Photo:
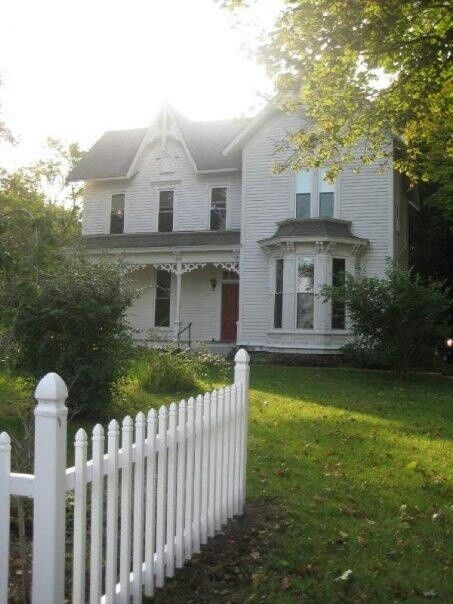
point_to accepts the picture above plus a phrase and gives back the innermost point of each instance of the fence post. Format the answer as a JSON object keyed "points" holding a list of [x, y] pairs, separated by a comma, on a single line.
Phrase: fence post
{"points": [[5, 470], [49, 491], [242, 376]]}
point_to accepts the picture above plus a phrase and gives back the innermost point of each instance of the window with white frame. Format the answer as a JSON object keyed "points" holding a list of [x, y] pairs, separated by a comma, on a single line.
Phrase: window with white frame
{"points": [[117, 214], [338, 306], [305, 292], [326, 192], [303, 194], [217, 213], [311, 185], [162, 305], [165, 220], [278, 294]]}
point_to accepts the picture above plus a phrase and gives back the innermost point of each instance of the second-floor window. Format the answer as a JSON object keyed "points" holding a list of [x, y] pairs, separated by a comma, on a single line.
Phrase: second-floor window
{"points": [[303, 194], [165, 222], [117, 214], [217, 217], [326, 196], [278, 295], [311, 185]]}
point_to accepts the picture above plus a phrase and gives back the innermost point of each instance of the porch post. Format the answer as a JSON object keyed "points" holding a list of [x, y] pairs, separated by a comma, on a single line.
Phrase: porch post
{"points": [[178, 274]]}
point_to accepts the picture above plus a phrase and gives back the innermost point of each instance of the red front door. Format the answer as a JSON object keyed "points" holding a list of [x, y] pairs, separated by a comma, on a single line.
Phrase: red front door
{"points": [[230, 306]]}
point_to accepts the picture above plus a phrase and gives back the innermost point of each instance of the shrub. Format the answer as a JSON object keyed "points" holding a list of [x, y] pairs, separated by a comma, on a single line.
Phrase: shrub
{"points": [[396, 321], [74, 324]]}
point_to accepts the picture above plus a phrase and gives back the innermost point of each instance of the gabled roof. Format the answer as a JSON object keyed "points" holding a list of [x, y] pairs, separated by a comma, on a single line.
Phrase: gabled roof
{"points": [[114, 153], [110, 157]]}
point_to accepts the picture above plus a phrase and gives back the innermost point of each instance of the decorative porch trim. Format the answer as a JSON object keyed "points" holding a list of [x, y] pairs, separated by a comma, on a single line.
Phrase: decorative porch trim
{"points": [[228, 266]]}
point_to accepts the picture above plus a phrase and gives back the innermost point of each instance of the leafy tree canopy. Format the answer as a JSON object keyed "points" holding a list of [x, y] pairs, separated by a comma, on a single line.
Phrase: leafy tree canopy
{"points": [[362, 70]]}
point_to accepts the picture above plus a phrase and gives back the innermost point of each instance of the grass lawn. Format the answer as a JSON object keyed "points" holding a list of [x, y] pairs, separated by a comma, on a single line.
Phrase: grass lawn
{"points": [[348, 471]]}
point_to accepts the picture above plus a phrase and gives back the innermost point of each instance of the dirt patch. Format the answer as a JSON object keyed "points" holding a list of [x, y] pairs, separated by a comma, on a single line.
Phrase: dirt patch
{"points": [[229, 563]]}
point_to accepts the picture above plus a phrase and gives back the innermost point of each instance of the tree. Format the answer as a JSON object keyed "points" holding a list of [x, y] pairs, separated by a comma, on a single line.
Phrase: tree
{"points": [[362, 70], [73, 323], [396, 321]]}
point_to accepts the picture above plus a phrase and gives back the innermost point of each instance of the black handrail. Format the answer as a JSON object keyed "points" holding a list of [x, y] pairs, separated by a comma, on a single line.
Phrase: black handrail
{"points": [[188, 328]]}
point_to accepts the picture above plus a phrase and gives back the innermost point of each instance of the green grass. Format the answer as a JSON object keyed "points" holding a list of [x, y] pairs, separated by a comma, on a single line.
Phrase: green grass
{"points": [[361, 466]]}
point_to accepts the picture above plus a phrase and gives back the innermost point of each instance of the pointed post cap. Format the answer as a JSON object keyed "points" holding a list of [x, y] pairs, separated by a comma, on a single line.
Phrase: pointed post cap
{"points": [[51, 389], [242, 356]]}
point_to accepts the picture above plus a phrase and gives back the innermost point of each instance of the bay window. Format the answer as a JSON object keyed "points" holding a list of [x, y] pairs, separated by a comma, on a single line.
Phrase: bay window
{"points": [[278, 295], [305, 292], [338, 307]]}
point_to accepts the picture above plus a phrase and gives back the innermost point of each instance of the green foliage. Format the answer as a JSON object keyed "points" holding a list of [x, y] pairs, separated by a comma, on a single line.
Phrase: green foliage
{"points": [[74, 323], [166, 370], [396, 321], [361, 70]]}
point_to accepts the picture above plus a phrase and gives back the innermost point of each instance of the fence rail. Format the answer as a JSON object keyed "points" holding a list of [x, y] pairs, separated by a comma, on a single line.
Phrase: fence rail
{"points": [[147, 499]]}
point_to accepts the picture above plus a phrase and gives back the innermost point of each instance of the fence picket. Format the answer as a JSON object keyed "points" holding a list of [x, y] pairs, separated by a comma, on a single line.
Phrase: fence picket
{"points": [[5, 499], [80, 508], [180, 485], [237, 448], [161, 496], [225, 434], [219, 460], [205, 469], [231, 450], [171, 490], [197, 473], [190, 452], [126, 516], [97, 495], [212, 464], [150, 509], [138, 511], [111, 545]]}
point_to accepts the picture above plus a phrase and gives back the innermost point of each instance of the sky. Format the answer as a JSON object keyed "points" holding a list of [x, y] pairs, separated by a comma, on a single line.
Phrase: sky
{"points": [[74, 69]]}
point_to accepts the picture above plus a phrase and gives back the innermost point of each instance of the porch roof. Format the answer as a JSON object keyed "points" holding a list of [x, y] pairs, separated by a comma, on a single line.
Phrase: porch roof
{"points": [[183, 239]]}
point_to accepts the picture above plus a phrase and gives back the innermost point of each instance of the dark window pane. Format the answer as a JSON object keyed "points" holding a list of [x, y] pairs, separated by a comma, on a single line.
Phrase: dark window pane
{"points": [[303, 205], [162, 309], [278, 298], [326, 205], [305, 311], [218, 209], [165, 222], [338, 307], [162, 316], [117, 214]]}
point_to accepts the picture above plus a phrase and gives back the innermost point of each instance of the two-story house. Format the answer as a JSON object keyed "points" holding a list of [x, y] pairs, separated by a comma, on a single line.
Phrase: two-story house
{"points": [[224, 243]]}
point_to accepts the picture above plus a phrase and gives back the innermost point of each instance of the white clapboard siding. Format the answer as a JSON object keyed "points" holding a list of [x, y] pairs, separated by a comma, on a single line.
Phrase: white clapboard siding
{"points": [[174, 482]]}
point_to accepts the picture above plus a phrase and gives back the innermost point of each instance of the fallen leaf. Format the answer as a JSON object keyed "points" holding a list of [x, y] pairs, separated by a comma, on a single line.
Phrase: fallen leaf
{"points": [[345, 576], [285, 583]]}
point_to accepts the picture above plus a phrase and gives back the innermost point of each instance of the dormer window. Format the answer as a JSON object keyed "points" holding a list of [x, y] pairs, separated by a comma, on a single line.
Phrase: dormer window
{"points": [[218, 209], [303, 194], [117, 214], [165, 221]]}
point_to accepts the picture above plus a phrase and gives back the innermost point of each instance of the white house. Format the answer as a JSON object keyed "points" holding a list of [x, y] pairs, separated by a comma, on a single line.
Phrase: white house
{"points": [[225, 244]]}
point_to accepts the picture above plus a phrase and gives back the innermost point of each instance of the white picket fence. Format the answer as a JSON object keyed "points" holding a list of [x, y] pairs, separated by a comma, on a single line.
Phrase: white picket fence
{"points": [[175, 481]]}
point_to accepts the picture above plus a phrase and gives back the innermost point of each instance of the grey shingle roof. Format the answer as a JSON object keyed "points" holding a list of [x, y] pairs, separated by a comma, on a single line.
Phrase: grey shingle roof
{"points": [[312, 228], [162, 240], [112, 155]]}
